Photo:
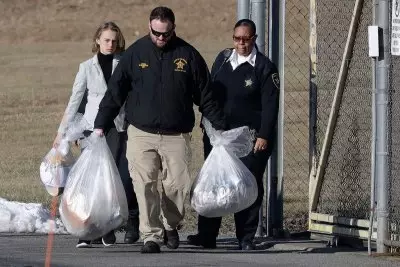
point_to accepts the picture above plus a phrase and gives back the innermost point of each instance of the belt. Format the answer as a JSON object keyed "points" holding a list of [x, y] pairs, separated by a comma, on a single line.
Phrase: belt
{"points": [[158, 131]]}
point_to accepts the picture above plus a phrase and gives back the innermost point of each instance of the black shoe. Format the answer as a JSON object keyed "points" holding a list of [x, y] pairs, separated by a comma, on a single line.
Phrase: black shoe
{"points": [[132, 231], [247, 245], [171, 239], [196, 240], [109, 239], [150, 247], [97, 241], [83, 244]]}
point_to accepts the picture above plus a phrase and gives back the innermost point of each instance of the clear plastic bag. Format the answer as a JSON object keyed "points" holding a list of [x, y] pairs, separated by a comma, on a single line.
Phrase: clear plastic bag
{"points": [[225, 185], [57, 163], [54, 171], [74, 131], [94, 201]]}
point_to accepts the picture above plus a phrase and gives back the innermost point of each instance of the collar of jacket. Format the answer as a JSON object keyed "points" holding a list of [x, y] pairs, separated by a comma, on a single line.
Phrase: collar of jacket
{"points": [[236, 59], [95, 61]]}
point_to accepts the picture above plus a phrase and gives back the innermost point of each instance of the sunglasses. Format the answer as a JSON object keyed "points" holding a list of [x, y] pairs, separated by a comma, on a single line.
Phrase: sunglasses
{"points": [[163, 34], [244, 39]]}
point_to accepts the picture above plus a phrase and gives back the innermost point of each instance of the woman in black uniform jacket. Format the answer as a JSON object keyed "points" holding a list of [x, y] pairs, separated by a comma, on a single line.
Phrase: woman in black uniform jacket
{"points": [[246, 85]]}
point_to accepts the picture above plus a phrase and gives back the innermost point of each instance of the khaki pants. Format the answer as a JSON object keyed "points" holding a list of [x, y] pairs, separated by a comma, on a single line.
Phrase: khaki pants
{"points": [[148, 154]]}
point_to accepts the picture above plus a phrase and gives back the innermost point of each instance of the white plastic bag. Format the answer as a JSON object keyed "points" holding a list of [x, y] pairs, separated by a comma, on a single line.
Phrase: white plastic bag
{"points": [[94, 201], [54, 171], [225, 185], [74, 131], [57, 163]]}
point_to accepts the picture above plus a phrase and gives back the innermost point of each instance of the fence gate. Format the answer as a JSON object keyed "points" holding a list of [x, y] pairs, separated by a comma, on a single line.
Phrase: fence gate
{"points": [[340, 117]]}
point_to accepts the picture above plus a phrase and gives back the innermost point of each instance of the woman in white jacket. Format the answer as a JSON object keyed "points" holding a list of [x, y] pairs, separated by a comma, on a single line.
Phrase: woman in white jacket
{"points": [[88, 90]]}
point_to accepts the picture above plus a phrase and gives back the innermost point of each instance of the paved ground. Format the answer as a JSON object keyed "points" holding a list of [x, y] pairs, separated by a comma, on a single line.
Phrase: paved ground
{"points": [[30, 250]]}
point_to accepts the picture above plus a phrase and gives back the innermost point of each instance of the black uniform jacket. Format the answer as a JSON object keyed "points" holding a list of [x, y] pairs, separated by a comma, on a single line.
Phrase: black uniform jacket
{"points": [[248, 95], [160, 87]]}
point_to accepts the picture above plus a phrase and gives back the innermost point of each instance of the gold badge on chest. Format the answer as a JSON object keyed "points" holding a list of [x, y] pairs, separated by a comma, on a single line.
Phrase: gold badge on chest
{"points": [[180, 64], [143, 65]]}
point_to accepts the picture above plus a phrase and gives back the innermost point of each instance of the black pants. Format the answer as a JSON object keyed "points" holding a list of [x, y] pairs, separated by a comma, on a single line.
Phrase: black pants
{"points": [[117, 143], [246, 221]]}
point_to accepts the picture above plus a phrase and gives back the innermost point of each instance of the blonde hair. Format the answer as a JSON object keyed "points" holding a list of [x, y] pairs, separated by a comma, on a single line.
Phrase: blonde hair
{"points": [[109, 25]]}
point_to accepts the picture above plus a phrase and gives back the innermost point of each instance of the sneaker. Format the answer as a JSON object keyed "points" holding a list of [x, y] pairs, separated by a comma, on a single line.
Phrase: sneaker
{"points": [[150, 247], [171, 239], [84, 244], [97, 241], [196, 240], [109, 239]]}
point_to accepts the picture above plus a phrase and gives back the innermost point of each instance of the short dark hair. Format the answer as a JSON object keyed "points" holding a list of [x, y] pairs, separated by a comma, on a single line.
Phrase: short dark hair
{"points": [[162, 13], [248, 23]]}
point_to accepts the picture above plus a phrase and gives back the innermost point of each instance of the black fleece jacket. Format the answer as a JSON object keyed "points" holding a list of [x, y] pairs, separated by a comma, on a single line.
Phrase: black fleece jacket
{"points": [[160, 87]]}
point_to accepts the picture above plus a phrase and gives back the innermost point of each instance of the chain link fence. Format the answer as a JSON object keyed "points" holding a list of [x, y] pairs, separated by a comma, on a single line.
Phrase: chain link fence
{"points": [[296, 130], [346, 182]]}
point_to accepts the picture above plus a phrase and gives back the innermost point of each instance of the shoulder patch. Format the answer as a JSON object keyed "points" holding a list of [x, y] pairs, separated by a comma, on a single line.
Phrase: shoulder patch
{"points": [[275, 80]]}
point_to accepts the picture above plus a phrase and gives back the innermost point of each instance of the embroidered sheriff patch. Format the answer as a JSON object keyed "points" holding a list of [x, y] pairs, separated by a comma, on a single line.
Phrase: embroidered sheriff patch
{"points": [[180, 64], [275, 80], [143, 65], [248, 83]]}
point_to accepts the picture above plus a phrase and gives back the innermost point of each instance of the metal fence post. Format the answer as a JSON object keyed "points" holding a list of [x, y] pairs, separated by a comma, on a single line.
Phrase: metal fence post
{"points": [[312, 149], [382, 71], [276, 24], [243, 9], [258, 8], [373, 141]]}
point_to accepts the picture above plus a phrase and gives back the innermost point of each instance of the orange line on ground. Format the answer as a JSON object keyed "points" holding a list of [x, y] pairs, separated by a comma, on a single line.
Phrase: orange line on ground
{"points": [[50, 238]]}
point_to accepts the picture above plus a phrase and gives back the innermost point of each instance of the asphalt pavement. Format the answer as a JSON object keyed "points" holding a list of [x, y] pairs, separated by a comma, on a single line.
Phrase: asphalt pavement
{"points": [[31, 250]]}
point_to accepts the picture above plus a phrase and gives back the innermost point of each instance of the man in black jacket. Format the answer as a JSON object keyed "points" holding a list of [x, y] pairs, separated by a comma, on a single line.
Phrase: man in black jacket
{"points": [[160, 77]]}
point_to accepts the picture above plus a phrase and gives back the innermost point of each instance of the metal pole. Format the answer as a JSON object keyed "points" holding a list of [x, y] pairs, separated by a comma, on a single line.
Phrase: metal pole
{"points": [[258, 8], [313, 104], [313, 91], [281, 69], [382, 71], [243, 9], [276, 26], [373, 143]]}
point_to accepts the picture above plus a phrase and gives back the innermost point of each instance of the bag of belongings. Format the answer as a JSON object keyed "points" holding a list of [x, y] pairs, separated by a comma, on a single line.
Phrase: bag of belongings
{"points": [[94, 201], [224, 184], [57, 163], [54, 171]]}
